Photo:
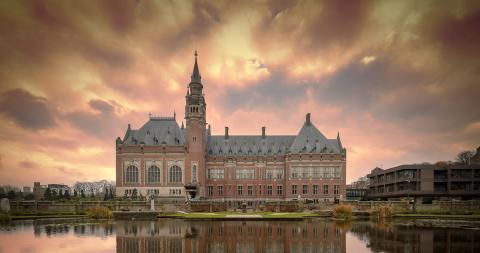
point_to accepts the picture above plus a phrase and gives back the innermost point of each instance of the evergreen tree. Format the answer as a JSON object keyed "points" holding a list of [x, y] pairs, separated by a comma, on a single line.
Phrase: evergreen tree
{"points": [[54, 194], [105, 196], [134, 194], [111, 194], [60, 194], [82, 194], [75, 193], [11, 195], [66, 195], [48, 194]]}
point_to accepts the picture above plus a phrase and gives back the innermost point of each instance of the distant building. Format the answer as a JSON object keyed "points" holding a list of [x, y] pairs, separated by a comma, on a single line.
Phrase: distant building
{"points": [[38, 190], [27, 189], [426, 182], [59, 188], [475, 159], [168, 161], [357, 190]]}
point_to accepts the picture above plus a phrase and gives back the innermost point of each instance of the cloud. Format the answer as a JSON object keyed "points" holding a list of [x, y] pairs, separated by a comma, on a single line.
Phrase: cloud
{"points": [[99, 123], [27, 110], [25, 164]]}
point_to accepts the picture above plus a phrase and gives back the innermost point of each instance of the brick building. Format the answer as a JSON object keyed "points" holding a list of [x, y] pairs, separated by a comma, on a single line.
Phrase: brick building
{"points": [[168, 161]]}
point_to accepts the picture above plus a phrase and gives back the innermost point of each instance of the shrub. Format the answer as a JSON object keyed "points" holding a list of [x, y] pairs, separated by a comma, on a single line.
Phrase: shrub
{"points": [[5, 217], [99, 212], [382, 211], [343, 212]]}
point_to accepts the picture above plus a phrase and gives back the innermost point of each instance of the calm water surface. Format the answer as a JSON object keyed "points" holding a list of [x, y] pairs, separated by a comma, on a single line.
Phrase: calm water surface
{"points": [[170, 235]]}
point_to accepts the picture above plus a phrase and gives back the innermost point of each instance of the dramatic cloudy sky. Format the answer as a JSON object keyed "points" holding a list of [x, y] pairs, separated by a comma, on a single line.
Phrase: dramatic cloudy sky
{"points": [[398, 79]]}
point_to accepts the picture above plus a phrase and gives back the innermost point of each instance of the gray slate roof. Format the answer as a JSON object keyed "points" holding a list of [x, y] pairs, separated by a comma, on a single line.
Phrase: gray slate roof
{"points": [[157, 131]]}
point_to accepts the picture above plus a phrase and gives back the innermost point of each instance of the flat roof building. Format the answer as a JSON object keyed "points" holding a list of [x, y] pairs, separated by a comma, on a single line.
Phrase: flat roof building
{"points": [[431, 181]]}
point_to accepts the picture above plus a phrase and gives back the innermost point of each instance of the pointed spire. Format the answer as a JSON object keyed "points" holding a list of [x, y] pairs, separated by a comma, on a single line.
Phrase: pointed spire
{"points": [[339, 141], [174, 114], [182, 125], [196, 78]]}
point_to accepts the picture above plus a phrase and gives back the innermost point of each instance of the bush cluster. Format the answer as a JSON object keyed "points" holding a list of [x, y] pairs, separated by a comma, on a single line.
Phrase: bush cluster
{"points": [[99, 212], [382, 211], [344, 212]]}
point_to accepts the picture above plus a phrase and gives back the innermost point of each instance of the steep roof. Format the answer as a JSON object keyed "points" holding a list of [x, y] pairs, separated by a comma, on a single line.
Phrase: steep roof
{"points": [[157, 131], [249, 145], [310, 140]]}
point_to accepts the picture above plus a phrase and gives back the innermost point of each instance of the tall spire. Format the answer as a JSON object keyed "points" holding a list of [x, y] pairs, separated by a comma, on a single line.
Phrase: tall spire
{"points": [[196, 78]]}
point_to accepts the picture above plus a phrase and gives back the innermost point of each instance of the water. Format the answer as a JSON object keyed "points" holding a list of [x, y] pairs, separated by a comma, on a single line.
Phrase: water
{"points": [[169, 235]]}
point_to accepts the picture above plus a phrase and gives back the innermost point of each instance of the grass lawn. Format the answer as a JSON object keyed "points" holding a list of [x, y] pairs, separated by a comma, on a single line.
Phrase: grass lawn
{"points": [[216, 215]]}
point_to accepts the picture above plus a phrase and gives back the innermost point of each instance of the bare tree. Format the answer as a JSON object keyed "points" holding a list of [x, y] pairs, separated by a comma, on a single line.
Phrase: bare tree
{"points": [[464, 157]]}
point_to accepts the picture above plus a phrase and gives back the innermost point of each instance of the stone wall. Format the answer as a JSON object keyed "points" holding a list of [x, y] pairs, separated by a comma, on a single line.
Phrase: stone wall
{"points": [[208, 206]]}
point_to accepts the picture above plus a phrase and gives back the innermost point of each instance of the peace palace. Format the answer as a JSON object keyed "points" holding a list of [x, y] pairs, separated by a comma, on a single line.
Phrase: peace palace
{"points": [[163, 160]]}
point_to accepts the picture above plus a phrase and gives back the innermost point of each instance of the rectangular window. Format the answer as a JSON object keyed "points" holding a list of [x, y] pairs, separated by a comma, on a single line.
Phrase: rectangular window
{"points": [[220, 190], [337, 172], [269, 190], [240, 190], [325, 189], [215, 174], [245, 174], [294, 189], [336, 189], [316, 173], [250, 190], [279, 190], [210, 190], [315, 189], [293, 173], [194, 173], [304, 173], [305, 189], [273, 174]]}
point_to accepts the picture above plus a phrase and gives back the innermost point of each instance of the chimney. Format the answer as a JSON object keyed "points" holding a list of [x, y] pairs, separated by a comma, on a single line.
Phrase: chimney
{"points": [[307, 119], [226, 132], [263, 132]]}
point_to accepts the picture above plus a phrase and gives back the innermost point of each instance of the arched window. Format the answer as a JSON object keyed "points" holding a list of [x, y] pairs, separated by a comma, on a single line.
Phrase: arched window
{"points": [[175, 174], [131, 175], [194, 173], [153, 174]]}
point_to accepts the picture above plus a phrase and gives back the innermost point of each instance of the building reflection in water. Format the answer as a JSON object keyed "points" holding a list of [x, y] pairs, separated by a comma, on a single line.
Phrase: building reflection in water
{"points": [[388, 237], [174, 236]]}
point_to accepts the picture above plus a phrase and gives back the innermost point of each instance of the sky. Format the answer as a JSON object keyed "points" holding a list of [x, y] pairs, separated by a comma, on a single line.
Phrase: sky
{"points": [[400, 80]]}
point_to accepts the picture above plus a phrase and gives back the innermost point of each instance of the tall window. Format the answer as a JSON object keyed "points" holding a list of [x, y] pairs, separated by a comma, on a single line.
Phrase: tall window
{"points": [[194, 173], [336, 189], [294, 189], [294, 173], [245, 174], [273, 173], [305, 189], [131, 175], [220, 190], [210, 190], [325, 189], [240, 190], [279, 190], [215, 174], [250, 190], [304, 173], [269, 190], [153, 174], [175, 174], [315, 189]]}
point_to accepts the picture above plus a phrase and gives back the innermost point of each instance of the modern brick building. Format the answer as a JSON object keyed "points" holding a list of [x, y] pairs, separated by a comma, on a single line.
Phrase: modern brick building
{"points": [[426, 181], [165, 160]]}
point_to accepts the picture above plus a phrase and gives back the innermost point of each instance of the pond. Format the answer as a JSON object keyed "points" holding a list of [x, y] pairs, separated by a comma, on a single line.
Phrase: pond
{"points": [[174, 235]]}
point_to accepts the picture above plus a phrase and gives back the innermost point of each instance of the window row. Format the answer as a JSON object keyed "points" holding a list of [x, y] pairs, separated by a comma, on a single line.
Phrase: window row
{"points": [[315, 189], [315, 172], [244, 174], [153, 174]]}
